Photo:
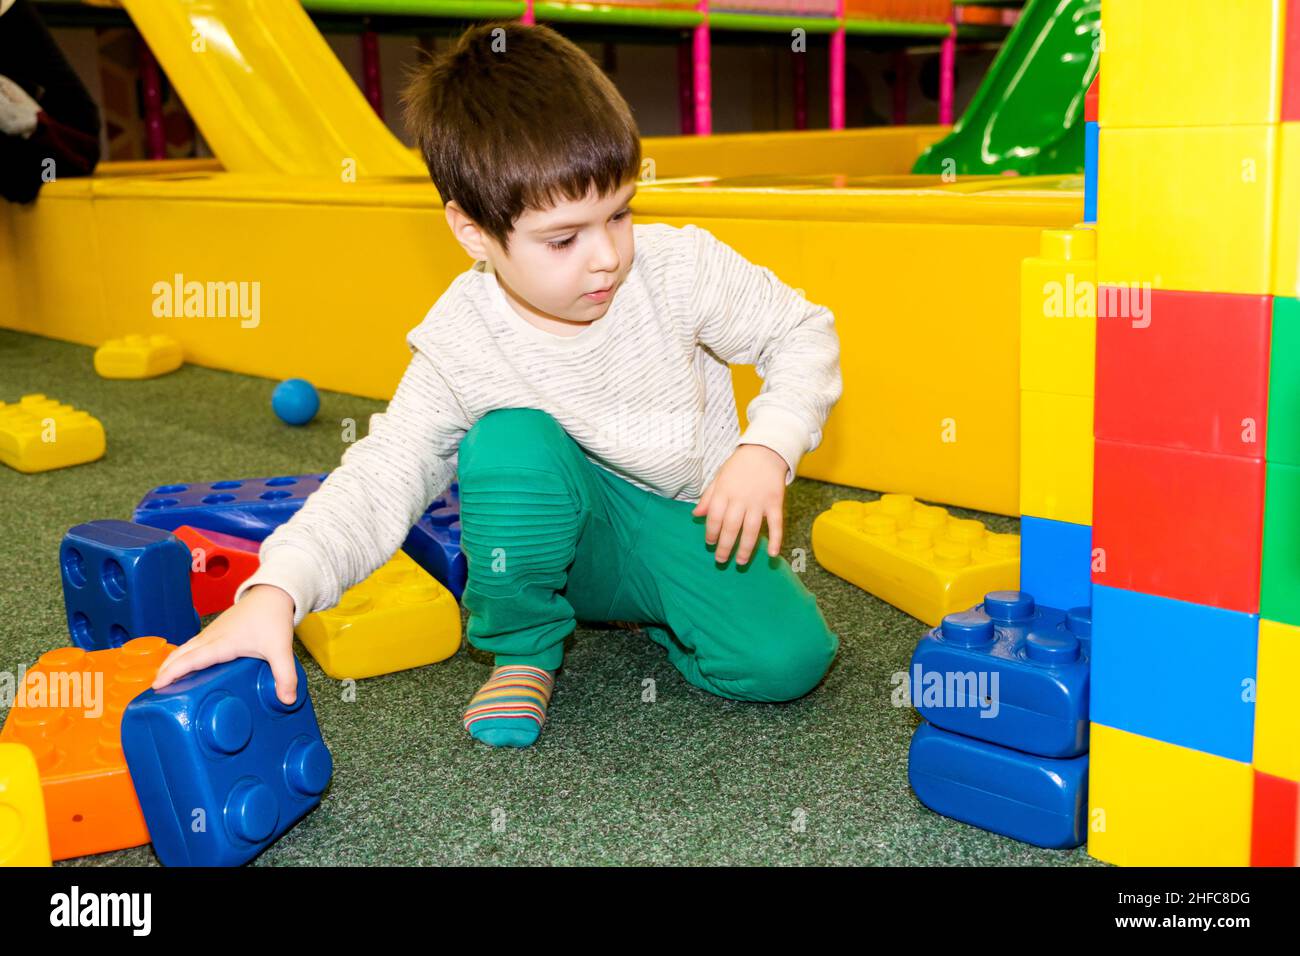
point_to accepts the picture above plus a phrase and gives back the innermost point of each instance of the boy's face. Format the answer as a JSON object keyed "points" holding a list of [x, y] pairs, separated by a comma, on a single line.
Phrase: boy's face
{"points": [[558, 257]]}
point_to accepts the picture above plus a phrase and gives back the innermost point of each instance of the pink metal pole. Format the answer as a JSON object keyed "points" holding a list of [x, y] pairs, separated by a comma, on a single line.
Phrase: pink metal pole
{"points": [[685, 89], [703, 74], [948, 71], [837, 69], [151, 83], [530, 17], [800, 92], [370, 71], [901, 80]]}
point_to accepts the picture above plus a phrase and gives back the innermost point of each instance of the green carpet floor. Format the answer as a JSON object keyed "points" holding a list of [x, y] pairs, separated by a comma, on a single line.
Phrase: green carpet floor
{"points": [[688, 779]]}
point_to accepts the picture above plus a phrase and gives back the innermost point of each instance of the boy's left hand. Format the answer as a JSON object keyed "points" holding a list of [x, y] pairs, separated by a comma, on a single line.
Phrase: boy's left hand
{"points": [[749, 487]]}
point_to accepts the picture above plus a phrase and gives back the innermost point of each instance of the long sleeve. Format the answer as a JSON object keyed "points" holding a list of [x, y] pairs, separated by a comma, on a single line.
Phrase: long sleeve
{"points": [[361, 515], [748, 316]]}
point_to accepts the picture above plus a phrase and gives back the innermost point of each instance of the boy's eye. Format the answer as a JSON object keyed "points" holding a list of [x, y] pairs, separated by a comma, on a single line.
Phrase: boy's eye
{"points": [[557, 245]]}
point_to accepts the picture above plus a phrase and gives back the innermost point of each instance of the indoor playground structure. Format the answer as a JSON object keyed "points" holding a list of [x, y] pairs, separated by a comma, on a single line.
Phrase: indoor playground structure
{"points": [[315, 198], [1075, 311]]}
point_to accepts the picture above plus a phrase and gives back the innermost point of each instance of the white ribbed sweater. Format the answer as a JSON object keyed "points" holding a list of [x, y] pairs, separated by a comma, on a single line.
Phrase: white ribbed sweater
{"points": [[645, 391]]}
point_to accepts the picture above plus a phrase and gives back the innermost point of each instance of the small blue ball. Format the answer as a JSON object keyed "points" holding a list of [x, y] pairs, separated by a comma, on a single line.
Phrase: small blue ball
{"points": [[295, 401]]}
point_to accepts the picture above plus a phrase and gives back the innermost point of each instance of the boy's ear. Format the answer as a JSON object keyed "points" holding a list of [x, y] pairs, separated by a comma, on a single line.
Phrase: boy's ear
{"points": [[466, 232]]}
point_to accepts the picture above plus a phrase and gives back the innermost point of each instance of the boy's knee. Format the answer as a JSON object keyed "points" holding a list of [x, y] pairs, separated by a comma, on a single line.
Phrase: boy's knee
{"points": [[520, 437], [788, 665], [519, 511]]}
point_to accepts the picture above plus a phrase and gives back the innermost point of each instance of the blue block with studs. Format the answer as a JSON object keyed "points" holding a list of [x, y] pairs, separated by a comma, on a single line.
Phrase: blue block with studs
{"points": [[248, 508], [1008, 671], [434, 542], [221, 767], [122, 581]]}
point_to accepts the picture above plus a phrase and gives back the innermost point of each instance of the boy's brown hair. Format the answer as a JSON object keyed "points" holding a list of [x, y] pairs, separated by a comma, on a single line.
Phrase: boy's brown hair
{"points": [[516, 117]]}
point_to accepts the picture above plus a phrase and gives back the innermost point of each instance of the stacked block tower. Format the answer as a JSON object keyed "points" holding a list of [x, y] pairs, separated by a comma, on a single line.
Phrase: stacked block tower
{"points": [[1023, 771], [1058, 327], [1058, 331], [1195, 740]]}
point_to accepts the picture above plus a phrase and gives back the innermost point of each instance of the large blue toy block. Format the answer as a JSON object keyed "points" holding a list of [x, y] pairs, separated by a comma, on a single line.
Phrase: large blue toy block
{"points": [[249, 508], [122, 581], [1008, 671], [1056, 561], [1040, 800], [1091, 157], [1174, 671], [221, 767], [434, 542]]}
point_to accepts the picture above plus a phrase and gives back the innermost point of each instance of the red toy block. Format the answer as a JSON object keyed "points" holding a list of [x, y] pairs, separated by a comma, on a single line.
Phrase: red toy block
{"points": [[221, 563], [1092, 102], [1178, 524], [1192, 374], [1291, 64], [1274, 840]]}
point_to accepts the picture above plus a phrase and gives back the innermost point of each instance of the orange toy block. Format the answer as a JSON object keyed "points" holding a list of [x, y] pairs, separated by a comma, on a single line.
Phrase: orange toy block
{"points": [[68, 711]]}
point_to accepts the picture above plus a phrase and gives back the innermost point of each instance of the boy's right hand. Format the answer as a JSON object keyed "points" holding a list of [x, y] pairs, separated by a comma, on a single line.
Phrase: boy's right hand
{"points": [[260, 625]]}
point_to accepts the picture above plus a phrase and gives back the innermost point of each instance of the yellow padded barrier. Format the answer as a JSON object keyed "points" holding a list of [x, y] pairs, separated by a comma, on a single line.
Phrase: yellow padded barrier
{"points": [[923, 281], [875, 151]]}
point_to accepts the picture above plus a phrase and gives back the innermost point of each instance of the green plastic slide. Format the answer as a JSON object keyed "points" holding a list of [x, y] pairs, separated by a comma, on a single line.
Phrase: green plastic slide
{"points": [[1027, 116]]}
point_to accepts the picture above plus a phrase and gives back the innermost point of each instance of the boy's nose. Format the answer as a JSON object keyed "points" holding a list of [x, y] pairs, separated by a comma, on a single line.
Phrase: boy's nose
{"points": [[605, 260]]}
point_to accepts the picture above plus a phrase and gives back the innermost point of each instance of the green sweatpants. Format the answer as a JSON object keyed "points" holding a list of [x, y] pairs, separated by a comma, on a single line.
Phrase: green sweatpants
{"points": [[551, 539]]}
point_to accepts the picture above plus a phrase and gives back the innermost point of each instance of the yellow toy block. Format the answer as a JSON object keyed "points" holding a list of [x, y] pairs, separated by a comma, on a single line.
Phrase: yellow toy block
{"points": [[396, 619], [40, 434], [1277, 705], [1286, 252], [138, 356], [1188, 209], [24, 840], [917, 557], [1058, 314], [1153, 803], [1191, 62], [1056, 456]]}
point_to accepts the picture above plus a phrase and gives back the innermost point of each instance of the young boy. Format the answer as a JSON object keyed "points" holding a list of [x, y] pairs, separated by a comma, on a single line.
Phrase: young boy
{"points": [[576, 381]]}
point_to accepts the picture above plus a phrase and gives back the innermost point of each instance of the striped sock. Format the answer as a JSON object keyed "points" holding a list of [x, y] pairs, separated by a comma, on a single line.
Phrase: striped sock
{"points": [[509, 710]]}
